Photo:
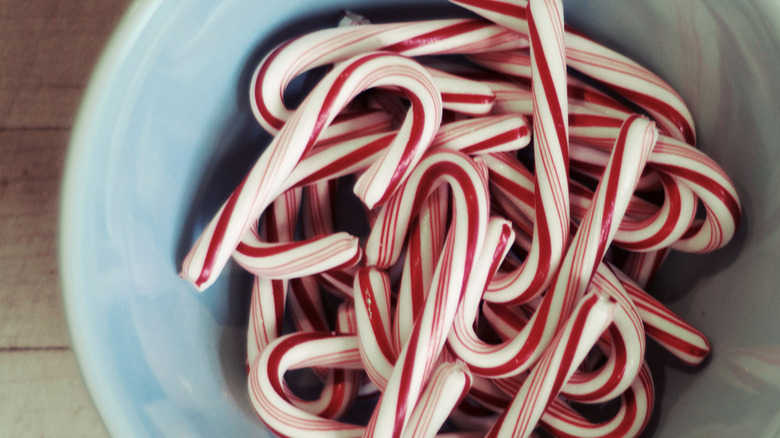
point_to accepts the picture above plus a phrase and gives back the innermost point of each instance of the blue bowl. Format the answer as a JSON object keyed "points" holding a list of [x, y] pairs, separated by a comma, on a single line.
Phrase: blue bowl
{"points": [[165, 132]]}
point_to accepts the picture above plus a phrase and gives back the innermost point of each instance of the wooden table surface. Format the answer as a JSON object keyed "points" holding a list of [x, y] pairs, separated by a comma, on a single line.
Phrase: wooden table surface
{"points": [[48, 49]]}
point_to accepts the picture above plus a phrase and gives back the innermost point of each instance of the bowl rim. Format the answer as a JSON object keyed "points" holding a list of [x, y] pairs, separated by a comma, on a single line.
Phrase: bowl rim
{"points": [[135, 18]]}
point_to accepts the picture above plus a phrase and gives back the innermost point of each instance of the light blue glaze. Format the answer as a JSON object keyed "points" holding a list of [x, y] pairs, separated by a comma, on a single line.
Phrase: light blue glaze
{"points": [[165, 133]]}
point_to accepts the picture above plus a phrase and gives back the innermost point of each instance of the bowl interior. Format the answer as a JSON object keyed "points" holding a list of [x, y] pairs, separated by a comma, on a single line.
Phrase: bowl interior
{"points": [[165, 133]]}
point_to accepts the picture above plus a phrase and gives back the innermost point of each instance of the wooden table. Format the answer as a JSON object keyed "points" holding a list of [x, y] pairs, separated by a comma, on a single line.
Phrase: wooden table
{"points": [[48, 49]]}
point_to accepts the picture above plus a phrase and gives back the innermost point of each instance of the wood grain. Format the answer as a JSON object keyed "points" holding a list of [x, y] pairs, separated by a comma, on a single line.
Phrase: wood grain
{"points": [[48, 49], [48, 397]]}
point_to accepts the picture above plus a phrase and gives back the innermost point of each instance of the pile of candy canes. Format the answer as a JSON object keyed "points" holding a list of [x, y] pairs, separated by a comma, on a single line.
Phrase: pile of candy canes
{"points": [[494, 287]]}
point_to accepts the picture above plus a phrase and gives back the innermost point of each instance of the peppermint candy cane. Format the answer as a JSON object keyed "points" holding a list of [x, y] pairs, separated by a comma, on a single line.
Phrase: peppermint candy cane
{"points": [[265, 180], [692, 168], [373, 315], [341, 386], [636, 406], [308, 311], [324, 163], [306, 307], [296, 259], [666, 328], [348, 156], [643, 229], [586, 103], [328, 46], [299, 350], [464, 239], [483, 135], [448, 385], [626, 347], [356, 123], [551, 152], [590, 318], [463, 95], [423, 249], [584, 255], [713, 187], [618, 72], [266, 313]]}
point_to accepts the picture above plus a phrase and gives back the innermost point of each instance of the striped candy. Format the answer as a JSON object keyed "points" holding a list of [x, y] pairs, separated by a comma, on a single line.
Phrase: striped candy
{"points": [[495, 287]]}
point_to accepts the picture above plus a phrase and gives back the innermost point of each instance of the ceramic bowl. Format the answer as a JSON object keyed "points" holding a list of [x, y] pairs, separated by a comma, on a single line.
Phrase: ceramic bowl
{"points": [[166, 132]]}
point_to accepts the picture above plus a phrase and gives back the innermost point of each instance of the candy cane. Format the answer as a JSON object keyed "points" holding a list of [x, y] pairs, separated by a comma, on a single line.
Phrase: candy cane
{"points": [[296, 259], [320, 252], [484, 135], [585, 101], [713, 187], [446, 388], [294, 351], [666, 328], [328, 46], [464, 239], [373, 313], [584, 255], [266, 312], [636, 405], [650, 232], [266, 179], [339, 159], [423, 249], [626, 349], [341, 386], [709, 183], [590, 318], [613, 69], [551, 150]]}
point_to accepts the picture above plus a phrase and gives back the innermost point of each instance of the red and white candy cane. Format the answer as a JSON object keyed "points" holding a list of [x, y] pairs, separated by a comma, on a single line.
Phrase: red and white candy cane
{"points": [[296, 259], [666, 328], [281, 66], [374, 318], [445, 389], [266, 179], [590, 318], [636, 405], [356, 123], [340, 386], [268, 391], [689, 166], [342, 156], [646, 228], [624, 343], [589, 245], [618, 72], [712, 186], [423, 249], [586, 103], [483, 135], [551, 152], [468, 183]]}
